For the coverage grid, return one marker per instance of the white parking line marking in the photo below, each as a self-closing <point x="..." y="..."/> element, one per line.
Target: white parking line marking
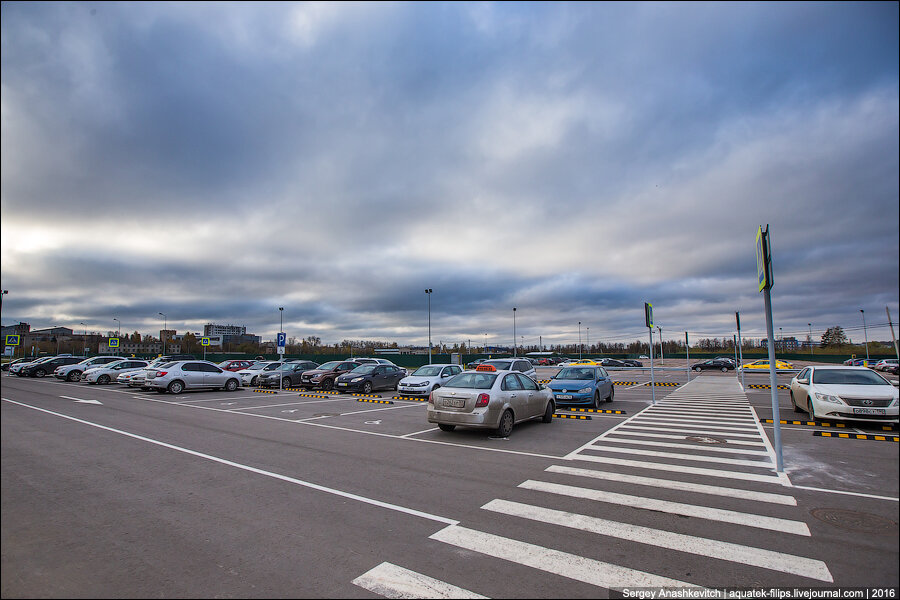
<point x="687" y="446"/>
<point x="748" y="555"/>
<point x="675" y="508"/>
<point x="222" y="461"/>
<point x="572" y="566"/>
<point x="680" y="469"/>
<point x="680" y="437"/>
<point x="682" y="486"/>
<point x="391" y="581"/>
<point x="766" y="464"/>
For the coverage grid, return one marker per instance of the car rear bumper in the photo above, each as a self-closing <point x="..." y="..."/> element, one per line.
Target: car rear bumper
<point x="489" y="419"/>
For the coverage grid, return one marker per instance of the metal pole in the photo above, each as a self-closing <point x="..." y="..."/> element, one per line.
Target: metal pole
<point x="662" y="354"/>
<point x="810" y="340"/>
<point x="652" y="381"/>
<point x="281" y="331"/>
<point x="687" y="349"/>
<point x="737" y="316"/>
<point x="165" y="331"/>
<point x="514" y="331"/>
<point x="893" y="337"/>
<point x="119" y="333"/>
<point x="773" y="384"/>
<point x="866" y="334"/>
<point x="579" y="340"/>
<point x="428" y="294"/>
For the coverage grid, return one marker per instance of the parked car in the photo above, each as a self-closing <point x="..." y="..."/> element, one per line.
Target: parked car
<point x="287" y="375"/>
<point x="714" y="364"/>
<point x="474" y="364"/>
<point x="427" y="378"/>
<point x="235" y="364"/>
<point x="250" y="375"/>
<point x="892" y="369"/>
<point x="368" y="378"/>
<point x="844" y="393"/>
<point x="763" y="365"/>
<point x="883" y="363"/>
<point x="489" y="398"/>
<point x="126" y="377"/>
<point x="46" y="366"/>
<point x="512" y="364"/>
<point x="108" y="373"/>
<point x="73" y="372"/>
<point x="176" y="377"/>
<point x="630" y="362"/>
<point x="17" y="361"/>
<point x="582" y="385"/>
<point x="324" y="376"/>
<point x="612" y="362"/>
<point x="139" y="377"/>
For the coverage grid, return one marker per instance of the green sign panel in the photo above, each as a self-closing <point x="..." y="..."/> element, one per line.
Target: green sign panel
<point x="648" y="314"/>
<point x="763" y="259"/>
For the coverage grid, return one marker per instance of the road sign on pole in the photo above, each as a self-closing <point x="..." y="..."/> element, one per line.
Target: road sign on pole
<point x="648" y="320"/>
<point x="764" y="273"/>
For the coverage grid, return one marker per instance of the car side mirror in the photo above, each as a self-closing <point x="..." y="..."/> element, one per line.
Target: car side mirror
<point x="803" y="381"/>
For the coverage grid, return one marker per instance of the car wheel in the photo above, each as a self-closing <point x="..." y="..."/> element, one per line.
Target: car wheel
<point x="797" y="409"/>
<point x="40" y="373"/>
<point x="724" y="369"/>
<point x="176" y="387"/>
<point x="254" y="380"/>
<point x="103" y="379"/>
<point x="327" y="385"/>
<point x="74" y="376"/>
<point x="506" y="424"/>
<point x="811" y="409"/>
<point x="367" y="387"/>
<point x="231" y="385"/>
<point x="446" y="427"/>
<point x="612" y="393"/>
<point x="548" y="414"/>
<point x="697" y="369"/>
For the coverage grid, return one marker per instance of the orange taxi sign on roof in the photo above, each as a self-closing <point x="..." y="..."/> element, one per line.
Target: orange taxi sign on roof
<point x="485" y="368"/>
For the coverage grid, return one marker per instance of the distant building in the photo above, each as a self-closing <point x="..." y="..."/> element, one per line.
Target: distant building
<point x="230" y="334"/>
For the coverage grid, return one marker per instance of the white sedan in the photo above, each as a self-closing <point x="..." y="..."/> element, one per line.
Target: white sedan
<point x="426" y="379"/>
<point x="837" y="392"/>
<point x="110" y="372"/>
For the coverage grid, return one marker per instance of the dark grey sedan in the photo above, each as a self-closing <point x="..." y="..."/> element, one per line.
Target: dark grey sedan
<point x="714" y="364"/>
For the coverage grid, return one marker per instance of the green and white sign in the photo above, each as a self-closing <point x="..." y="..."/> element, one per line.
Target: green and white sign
<point x="763" y="259"/>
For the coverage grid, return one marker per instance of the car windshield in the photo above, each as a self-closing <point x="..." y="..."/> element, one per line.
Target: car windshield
<point x="258" y="364"/>
<point x="575" y="373"/>
<point x="478" y="381"/>
<point x="427" y="371"/>
<point x="500" y="365"/>
<point x="330" y="365"/>
<point x="848" y="377"/>
<point x="272" y="366"/>
<point x="363" y="369"/>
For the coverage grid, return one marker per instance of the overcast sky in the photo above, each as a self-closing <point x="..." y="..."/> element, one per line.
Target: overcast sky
<point x="214" y="162"/>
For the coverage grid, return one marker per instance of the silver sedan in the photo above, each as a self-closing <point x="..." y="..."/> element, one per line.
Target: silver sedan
<point x="488" y="398"/>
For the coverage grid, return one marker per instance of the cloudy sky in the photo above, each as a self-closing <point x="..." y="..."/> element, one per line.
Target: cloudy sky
<point x="214" y="162"/>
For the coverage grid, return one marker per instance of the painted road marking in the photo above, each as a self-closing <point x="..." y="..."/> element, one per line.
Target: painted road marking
<point x="748" y="555"/>
<point x="675" y="508"/>
<point x="704" y="447"/>
<point x="572" y="566"/>
<point x="672" y="484"/>
<point x="680" y="469"/>
<point x="391" y="581"/>
<point x="679" y="456"/>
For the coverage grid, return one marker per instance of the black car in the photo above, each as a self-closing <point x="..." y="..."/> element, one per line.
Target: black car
<point x="367" y="378"/>
<point x="288" y="375"/>
<point x="630" y="362"/>
<point x="715" y="364"/>
<point x="42" y="368"/>
<point x="612" y="362"/>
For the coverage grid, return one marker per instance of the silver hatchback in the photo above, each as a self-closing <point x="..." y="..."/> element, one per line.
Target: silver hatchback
<point x="488" y="398"/>
<point x="178" y="376"/>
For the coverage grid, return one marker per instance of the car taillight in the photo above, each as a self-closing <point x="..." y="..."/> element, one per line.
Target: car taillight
<point x="161" y="373"/>
<point x="431" y="398"/>
<point x="483" y="400"/>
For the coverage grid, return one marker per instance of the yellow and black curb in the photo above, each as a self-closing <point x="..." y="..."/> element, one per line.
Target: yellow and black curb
<point x="304" y="395"/>
<point x="265" y="391"/>
<point x="362" y="395"/>
<point x="762" y="386"/>
<point x="832" y="424"/>
<point x="410" y="398"/>
<point x="374" y="401"/>
<point x="858" y="436"/>
<point x="595" y="410"/>
<point x="565" y="416"/>
<point x="656" y="384"/>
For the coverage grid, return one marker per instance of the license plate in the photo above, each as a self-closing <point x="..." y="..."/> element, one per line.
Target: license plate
<point x="564" y="396"/>
<point x="868" y="411"/>
<point x="342" y="385"/>
<point x="454" y="402"/>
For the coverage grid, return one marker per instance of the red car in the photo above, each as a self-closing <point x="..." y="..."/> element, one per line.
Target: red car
<point x="235" y="365"/>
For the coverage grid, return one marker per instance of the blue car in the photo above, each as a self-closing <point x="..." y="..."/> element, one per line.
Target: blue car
<point x="582" y="385"/>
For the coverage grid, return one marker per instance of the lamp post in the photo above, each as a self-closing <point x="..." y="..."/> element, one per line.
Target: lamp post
<point x="84" y="340"/>
<point x="280" y="332"/>
<point x="781" y="335"/>
<point x="810" y="339"/>
<point x="514" y="331"/>
<point x="428" y="295"/>
<point x="118" y="333"/>
<point x="579" y="340"/>
<point x="165" y="330"/>
<point x="866" y="334"/>
<point x="662" y="356"/>
<point x="588" y="336"/>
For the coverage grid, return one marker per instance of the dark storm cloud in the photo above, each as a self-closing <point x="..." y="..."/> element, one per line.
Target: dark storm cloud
<point x="573" y="160"/>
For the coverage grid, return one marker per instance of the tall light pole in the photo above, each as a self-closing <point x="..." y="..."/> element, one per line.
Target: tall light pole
<point x="588" y="336"/>
<point x="810" y="339"/>
<point x="579" y="339"/>
<point x="280" y="332"/>
<point x="84" y="340"/>
<point x="428" y="294"/>
<point x="165" y="330"/>
<point x="662" y="356"/>
<point x="514" y="331"/>
<point x="866" y="334"/>
<point x="781" y="335"/>
<point x="118" y="333"/>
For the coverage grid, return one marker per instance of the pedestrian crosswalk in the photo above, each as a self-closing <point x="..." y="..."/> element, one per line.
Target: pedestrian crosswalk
<point x="690" y="479"/>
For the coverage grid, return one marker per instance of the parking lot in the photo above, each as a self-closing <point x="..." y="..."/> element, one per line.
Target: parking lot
<point x="321" y="490"/>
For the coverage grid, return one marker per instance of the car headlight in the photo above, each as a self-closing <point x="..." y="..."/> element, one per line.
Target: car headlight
<point x="584" y="390"/>
<point x="828" y="398"/>
<point x="356" y="379"/>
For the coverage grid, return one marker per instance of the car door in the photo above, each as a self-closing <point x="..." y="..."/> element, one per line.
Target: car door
<point x="515" y="396"/>
<point x="534" y="400"/>
<point x="213" y="376"/>
<point x="192" y="375"/>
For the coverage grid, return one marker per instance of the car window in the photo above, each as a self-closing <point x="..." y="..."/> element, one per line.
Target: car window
<point x="511" y="382"/>
<point x="209" y="368"/>
<point x="427" y="371"/>
<point x="500" y="365"/>
<point x="190" y="367"/>
<point x="475" y="380"/>
<point x="364" y="369"/>
<point x="848" y="377"/>
<point x="803" y="374"/>
<point x="527" y="382"/>
<point x="344" y="366"/>
<point x="578" y="373"/>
